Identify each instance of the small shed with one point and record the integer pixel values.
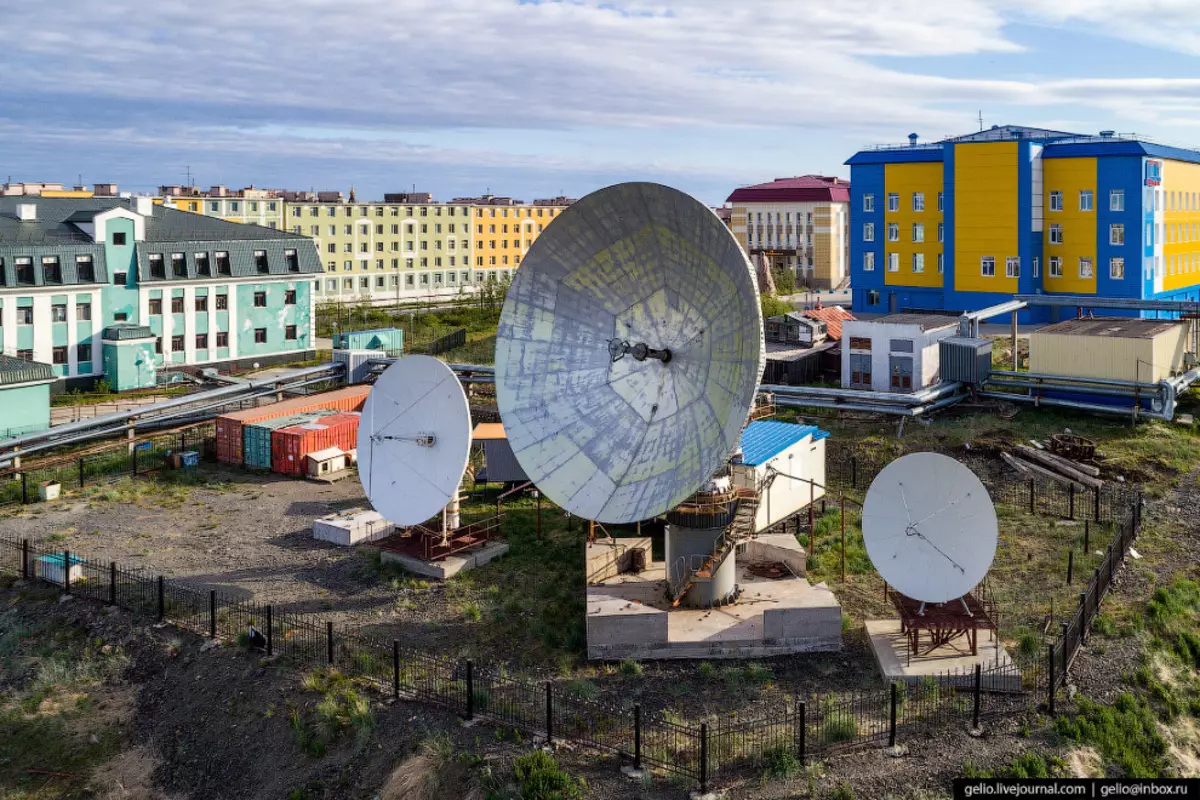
(795, 329)
(1111, 348)
(326, 463)
(785, 462)
(794, 365)
(500, 463)
(832, 316)
(390, 340)
(894, 353)
(24, 395)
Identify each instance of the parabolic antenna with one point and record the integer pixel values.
(414, 439)
(628, 354)
(929, 527)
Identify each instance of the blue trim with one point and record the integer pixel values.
(948, 279)
(901, 156)
(763, 440)
(1024, 219)
(868, 179)
(1120, 148)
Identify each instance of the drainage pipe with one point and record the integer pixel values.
(1112, 391)
(862, 395)
(1073, 379)
(909, 411)
(1136, 412)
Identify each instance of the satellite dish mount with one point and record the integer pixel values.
(619, 348)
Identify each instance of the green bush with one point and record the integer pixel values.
(842, 792)
(583, 689)
(1125, 734)
(1028, 644)
(758, 673)
(840, 726)
(631, 668)
(541, 778)
(779, 763)
(706, 670)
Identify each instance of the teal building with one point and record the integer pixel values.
(124, 289)
(24, 396)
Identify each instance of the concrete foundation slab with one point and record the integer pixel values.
(891, 654)
(630, 616)
(448, 566)
(607, 560)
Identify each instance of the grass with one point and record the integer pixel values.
(539, 777)
(631, 668)
(1125, 734)
(341, 710)
(1027, 765)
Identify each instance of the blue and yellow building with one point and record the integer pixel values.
(968, 222)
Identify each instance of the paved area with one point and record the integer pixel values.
(61, 415)
(891, 654)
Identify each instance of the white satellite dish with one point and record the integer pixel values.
(629, 351)
(929, 527)
(414, 439)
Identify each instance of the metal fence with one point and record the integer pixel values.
(443, 343)
(696, 752)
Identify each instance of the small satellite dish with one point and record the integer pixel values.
(629, 351)
(414, 439)
(929, 527)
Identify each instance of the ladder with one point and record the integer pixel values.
(739, 529)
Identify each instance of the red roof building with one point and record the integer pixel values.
(802, 189)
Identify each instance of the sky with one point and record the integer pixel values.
(530, 98)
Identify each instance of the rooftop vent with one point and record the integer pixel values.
(1107, 134)
(912, 139)
(142, 205)
(27, 212)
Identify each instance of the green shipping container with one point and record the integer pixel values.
(256, 437)
(390, 340)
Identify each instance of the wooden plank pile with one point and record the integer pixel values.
(1034, 459)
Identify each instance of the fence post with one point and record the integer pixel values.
(892, 723)
(66, 571)
(112, 583)
(270, 631)
(212, 613)
(24, 489)
(1096, 599)
(25, 559)
(803, 730)
(1071, 495)
(703, 758)
(1066, 651)
(1096, 503)
(637, 736)
(133, 459)
(1070, 566)
(1032, 492)
(549, 712)
(81, 472)
(1050, 698)
(162, 604)
(329, 642)
(1112, 564)
(1083, 626)
(978, 695)
(396, 668)
(1087, 537)
(470, 690)
(853, 473)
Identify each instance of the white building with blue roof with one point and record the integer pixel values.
(785, 463)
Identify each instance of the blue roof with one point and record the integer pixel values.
(764, 439)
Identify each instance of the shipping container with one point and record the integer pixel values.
(256, 436)
(290, 445)
(230, 440)
(1111, 348)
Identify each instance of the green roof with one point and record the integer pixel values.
(18, 370)
(56, 232)
(120, 332)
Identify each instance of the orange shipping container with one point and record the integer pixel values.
(229, 426)
(290, 445)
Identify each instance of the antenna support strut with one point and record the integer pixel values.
(618, 348)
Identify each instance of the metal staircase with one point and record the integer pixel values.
(739, 530)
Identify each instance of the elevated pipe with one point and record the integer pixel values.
(860, 395)
(894, 410)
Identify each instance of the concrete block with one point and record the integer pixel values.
(348, 529)
(607, 560)
(448, 566)
(777, 547)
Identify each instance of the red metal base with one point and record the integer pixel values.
(430, 545)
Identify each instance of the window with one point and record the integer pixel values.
(364, 283)
(918, 262)
(860, 343)
(85, 269)
(178, 265)
(893, 262)
(202, 264)
(223, 267)
(941, 200)
(1085, 200)
(59, 355)
(25, 355)
(260, 262)
(289, 333)
(58, 312)
(292, 260)
(260, 335)
(201, 341)
(121, 316)
(1116, 234)
(222, 339)
(118, 238)
(177, 305)
(918, 201)
(83, 352)
(941, 231)
(1055, 264)
(893, 201)
(1085, 267)
(868, 262)
(873, 297)
(1116, 200)
(222, 302)
(987, 266)
(868, 203)
(83, 311)
(177, 344)
(1116, 268)
(155, 309)
(918, 232)
(233, 205)
(941, 263)
(1056, 234)
(24, 267)
(1056, 201)
(157, 268)
(1012, 267)
(260, 299)
(1036, 266)
(893, 231)
(868, 231)
(289, 297)
(202, 303)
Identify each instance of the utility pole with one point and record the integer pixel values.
(981, 119)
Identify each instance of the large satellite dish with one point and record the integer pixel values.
(628, 354)
(929, 527)
(414, 440)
